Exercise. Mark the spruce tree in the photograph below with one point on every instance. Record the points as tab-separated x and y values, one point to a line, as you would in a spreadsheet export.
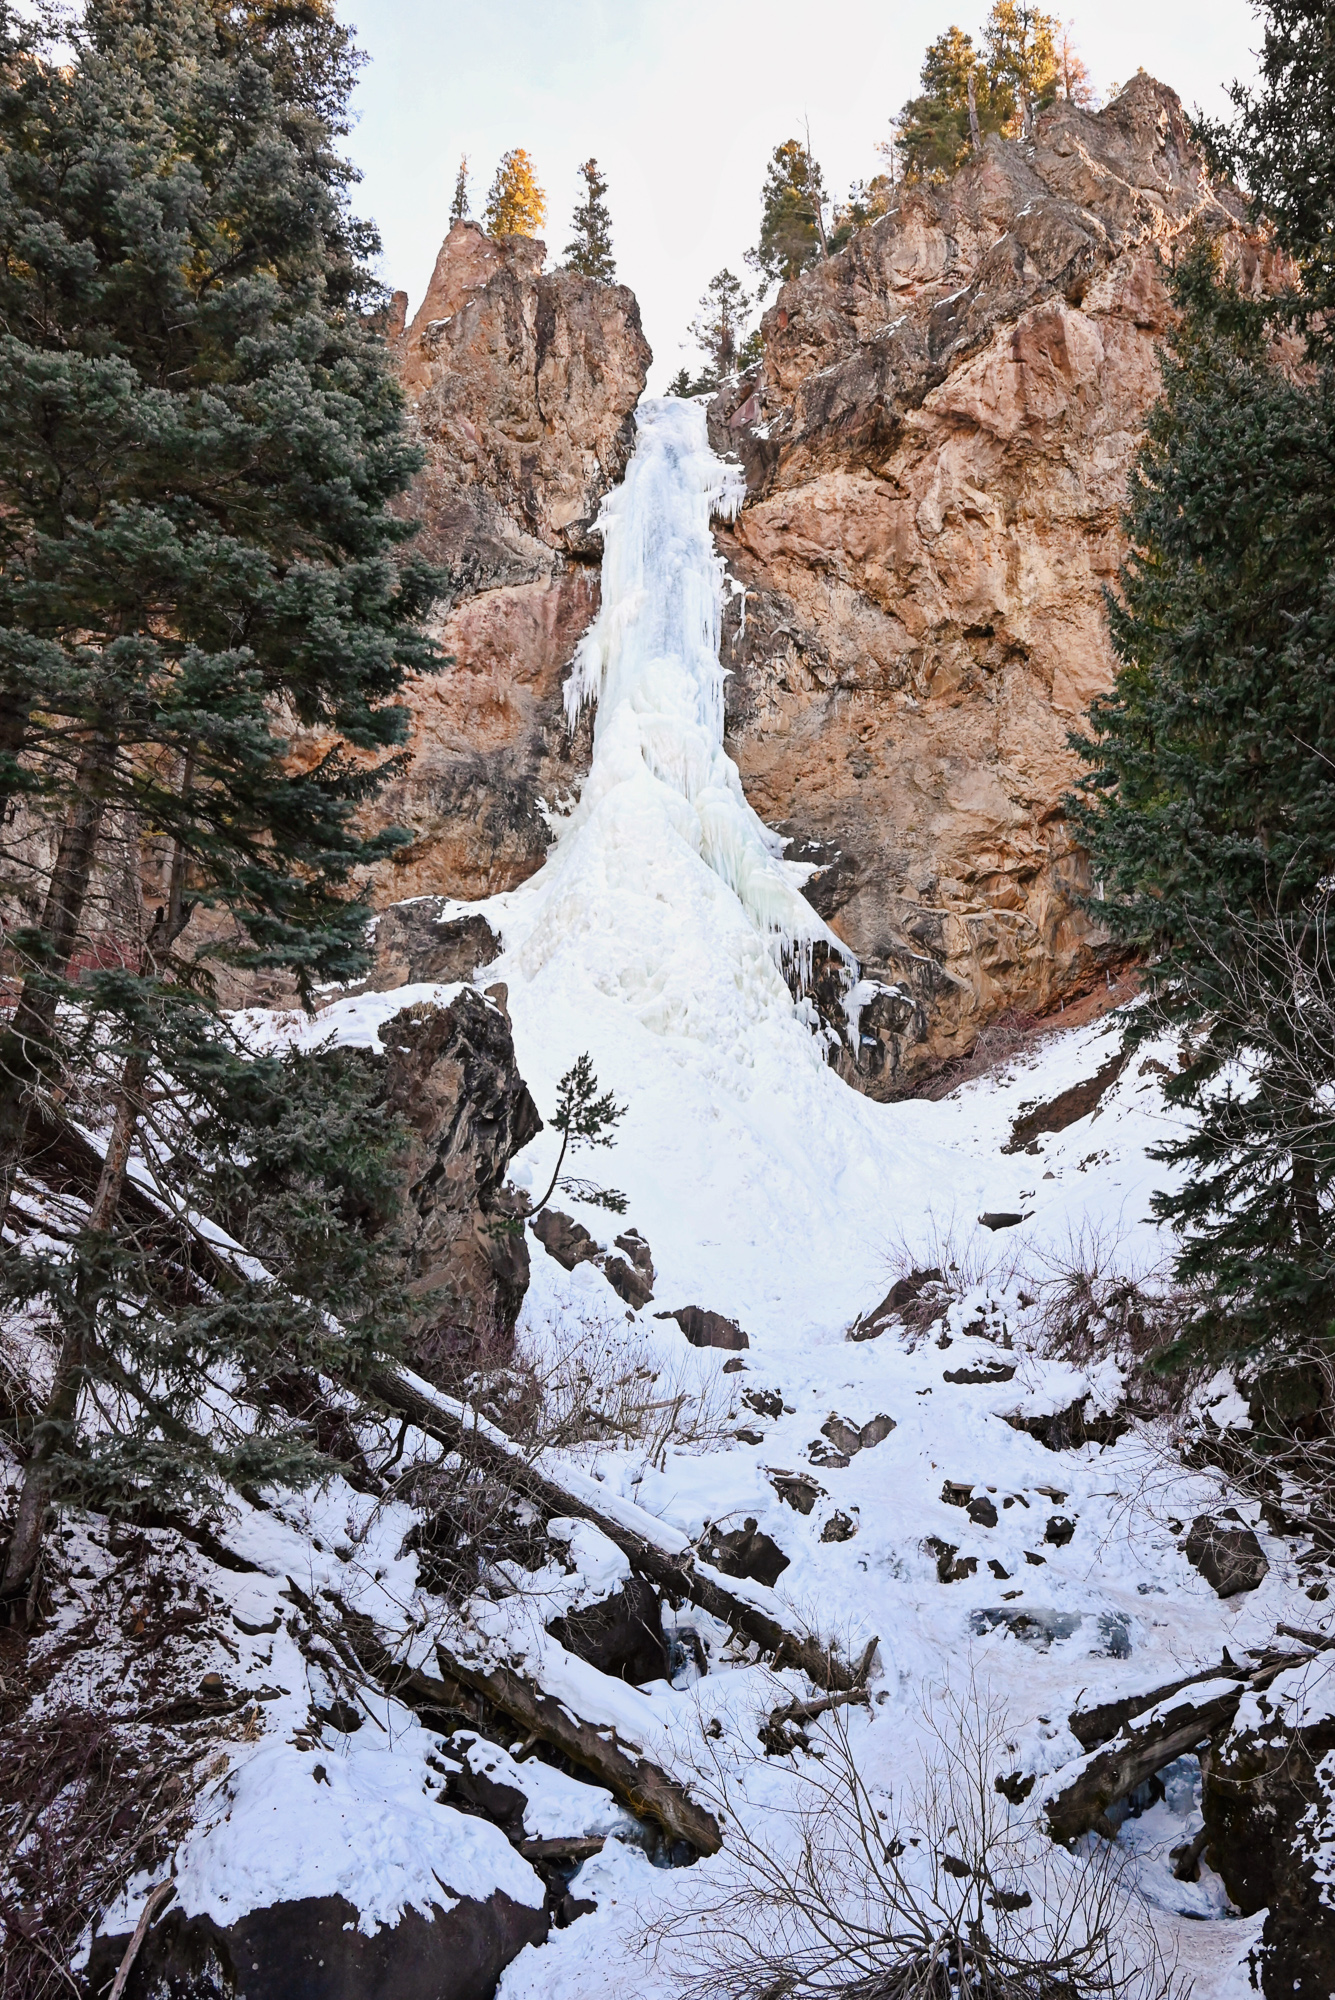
792	229
933	136
590	250
717	327
516	203
199	436
459	205
1209	811
199	439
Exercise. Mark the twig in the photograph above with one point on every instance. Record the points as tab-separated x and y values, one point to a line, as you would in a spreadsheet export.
153	1903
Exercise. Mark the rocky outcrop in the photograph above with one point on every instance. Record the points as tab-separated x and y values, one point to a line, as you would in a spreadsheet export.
450	1075
314	1949
937	455
522	386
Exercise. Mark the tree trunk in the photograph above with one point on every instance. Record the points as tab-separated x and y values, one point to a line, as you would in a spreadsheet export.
25	1047
975	136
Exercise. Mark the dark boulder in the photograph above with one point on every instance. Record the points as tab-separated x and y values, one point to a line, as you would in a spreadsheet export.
707	1329
1226	1553
744	1551
1269	1808
908	1302
450	1075
621	1636
313	1950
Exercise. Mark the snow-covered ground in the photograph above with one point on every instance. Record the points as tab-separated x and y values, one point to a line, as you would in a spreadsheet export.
655	939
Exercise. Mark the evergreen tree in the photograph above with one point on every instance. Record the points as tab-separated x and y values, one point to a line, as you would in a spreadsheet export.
1281	147
934	133
590	251
792	228
199	436
516	204
1021	62
1209	812
199	439
717	327
459	206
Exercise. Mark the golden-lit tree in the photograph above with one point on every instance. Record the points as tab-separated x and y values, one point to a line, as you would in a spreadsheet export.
516	203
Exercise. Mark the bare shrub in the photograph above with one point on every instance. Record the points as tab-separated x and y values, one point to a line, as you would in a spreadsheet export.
952	1896
942	1261
1092	1304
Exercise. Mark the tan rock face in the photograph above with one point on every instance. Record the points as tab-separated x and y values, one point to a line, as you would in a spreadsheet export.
523	387
937	459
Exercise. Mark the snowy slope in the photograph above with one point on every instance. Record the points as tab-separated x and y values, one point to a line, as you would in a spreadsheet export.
657	938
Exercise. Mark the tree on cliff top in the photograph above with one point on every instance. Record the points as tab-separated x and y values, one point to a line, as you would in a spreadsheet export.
590	250
516	204
717	327
792	227
459	206
1016	74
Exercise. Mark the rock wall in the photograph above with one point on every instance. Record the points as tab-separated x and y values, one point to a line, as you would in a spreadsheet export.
522	387
937	455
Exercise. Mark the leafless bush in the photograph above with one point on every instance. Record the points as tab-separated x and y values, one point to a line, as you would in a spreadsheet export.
81	1809
942	1261
952	1896
1092	1303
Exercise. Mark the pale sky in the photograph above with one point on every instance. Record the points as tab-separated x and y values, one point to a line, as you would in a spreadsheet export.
681	102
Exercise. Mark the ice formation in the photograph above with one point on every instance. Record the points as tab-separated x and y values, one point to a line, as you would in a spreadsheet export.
662	816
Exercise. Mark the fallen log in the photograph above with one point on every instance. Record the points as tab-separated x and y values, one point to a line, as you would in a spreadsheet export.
1148	1731
627	1773
662	1554
1145	1745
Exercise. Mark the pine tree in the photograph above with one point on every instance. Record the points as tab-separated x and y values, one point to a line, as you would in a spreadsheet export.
590	251
516	204
1021	63
199	439
717	327
459	206
1209	812
934	133
792	229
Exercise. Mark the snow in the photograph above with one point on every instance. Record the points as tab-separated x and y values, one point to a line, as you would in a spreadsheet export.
660	937
291	1823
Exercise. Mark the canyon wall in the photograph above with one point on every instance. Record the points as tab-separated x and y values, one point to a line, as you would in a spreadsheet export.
522	388
937	454
936	450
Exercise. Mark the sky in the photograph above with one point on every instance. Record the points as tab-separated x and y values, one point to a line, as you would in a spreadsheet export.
682	102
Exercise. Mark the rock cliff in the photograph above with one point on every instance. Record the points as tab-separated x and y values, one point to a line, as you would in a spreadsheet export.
522	386
937	453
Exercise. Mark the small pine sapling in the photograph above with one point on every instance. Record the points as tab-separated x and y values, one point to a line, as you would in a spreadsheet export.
459	206
583	1118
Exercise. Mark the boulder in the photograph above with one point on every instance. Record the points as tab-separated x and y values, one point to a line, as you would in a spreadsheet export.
744	1551
707	1329
621	1636
1226	1553
564	1238
313	1950
414	945
450	1074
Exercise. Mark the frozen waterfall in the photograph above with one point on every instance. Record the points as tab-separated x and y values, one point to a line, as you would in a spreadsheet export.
671	888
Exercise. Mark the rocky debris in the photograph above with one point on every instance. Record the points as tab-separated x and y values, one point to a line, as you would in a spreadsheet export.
1059	1531
1037	1628
413	945
907	1302
1002	1219
450	1074
621	1636
839	1440
1068	1429
1226	1552
564	1238
313	1948
522	385
951	1567
744	1551
765	1402
982	1511
985	1372
1066	1108
936	453
707	1329
797	1490
571	1244
839	1528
